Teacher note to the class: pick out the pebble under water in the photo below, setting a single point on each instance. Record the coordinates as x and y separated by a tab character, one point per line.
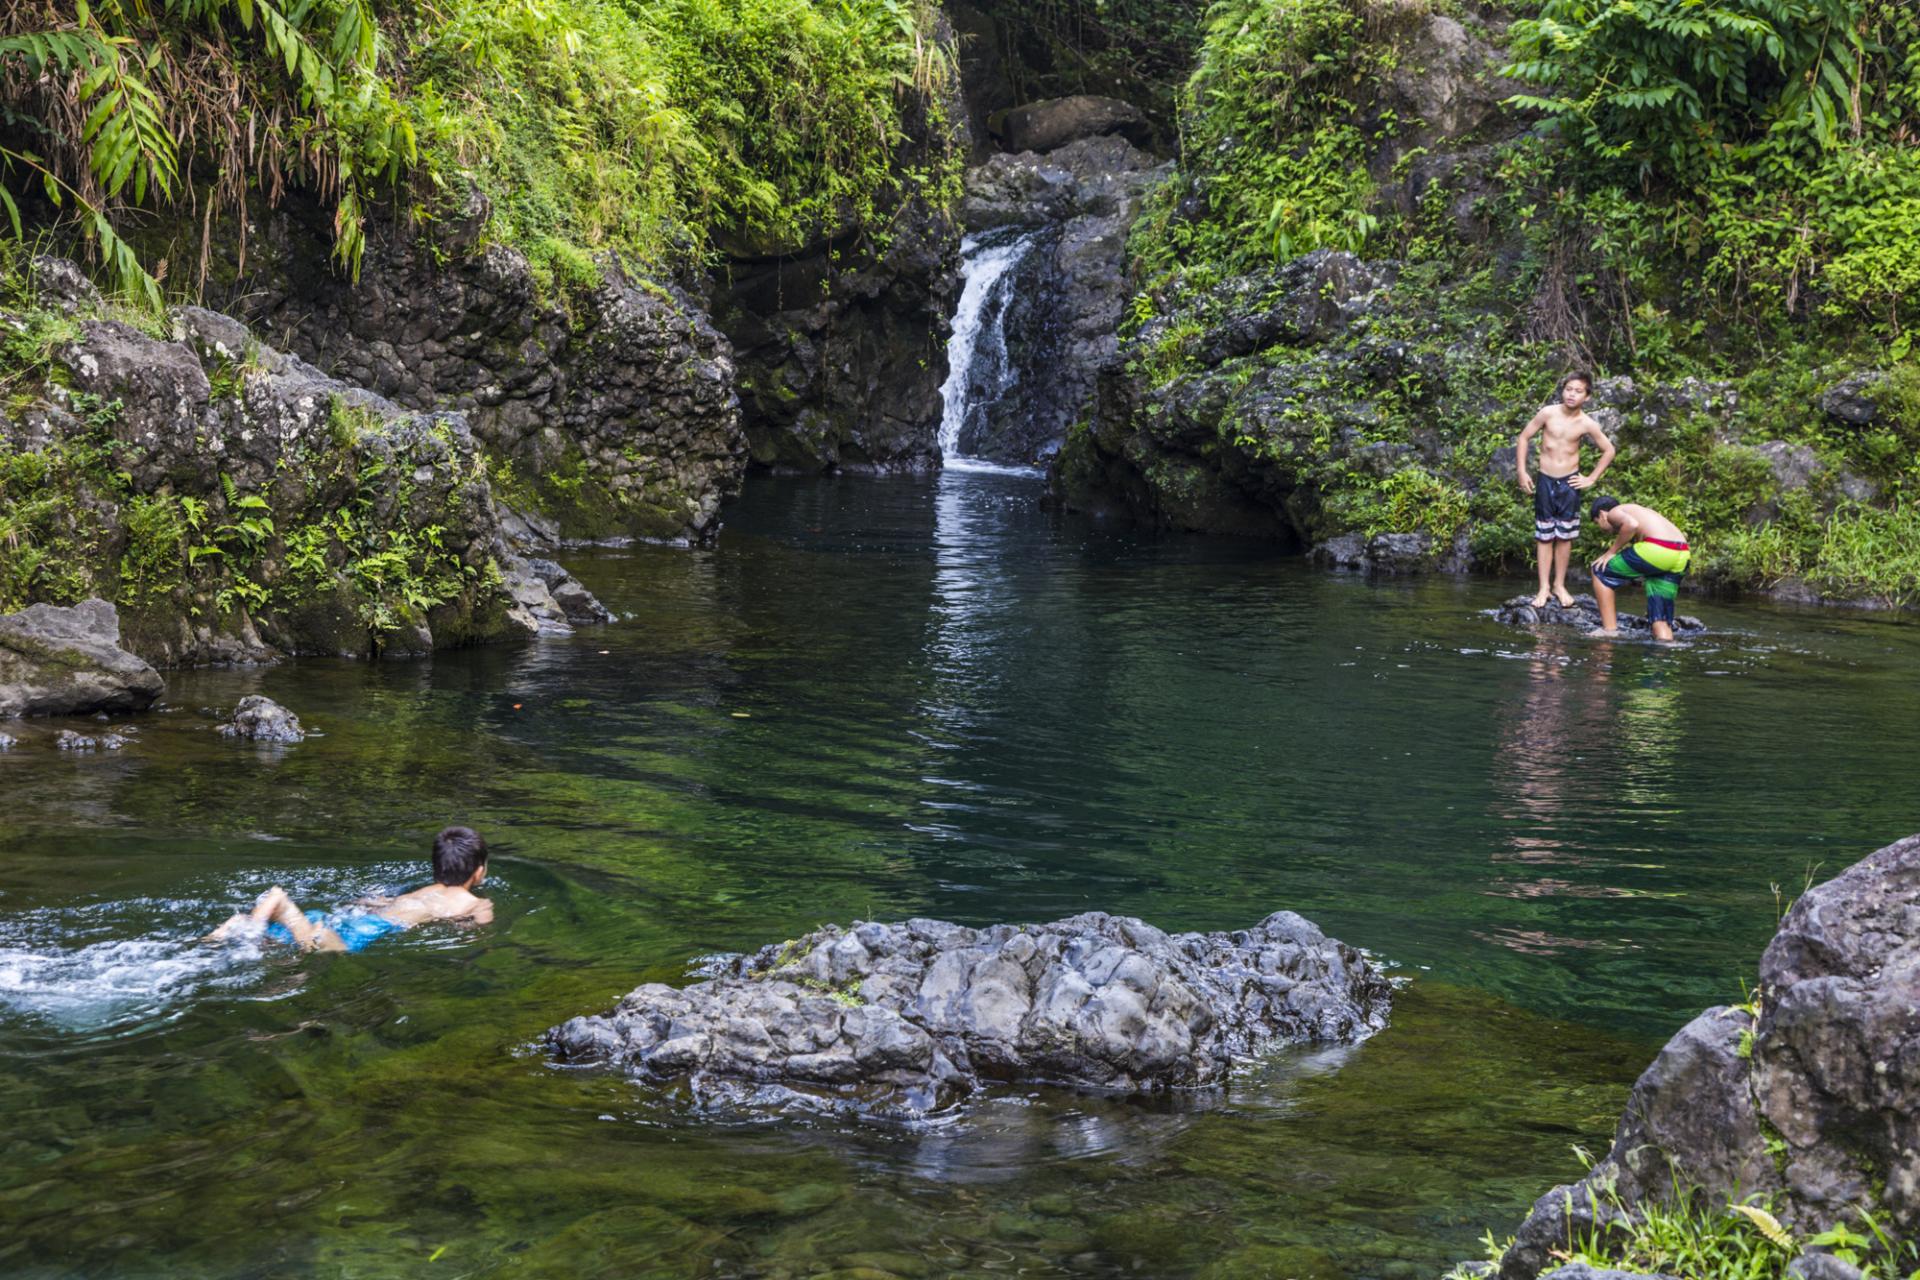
879	698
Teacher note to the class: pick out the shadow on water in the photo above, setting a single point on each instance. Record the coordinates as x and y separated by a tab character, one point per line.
880	698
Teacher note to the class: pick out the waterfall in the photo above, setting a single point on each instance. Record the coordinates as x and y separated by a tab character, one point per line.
979	371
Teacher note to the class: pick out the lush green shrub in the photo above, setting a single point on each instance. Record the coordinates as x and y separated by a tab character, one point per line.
1270	140
1770	140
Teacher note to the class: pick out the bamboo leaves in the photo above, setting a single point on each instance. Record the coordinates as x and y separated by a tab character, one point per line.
342	124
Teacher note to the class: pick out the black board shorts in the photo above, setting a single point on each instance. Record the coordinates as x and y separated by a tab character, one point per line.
1556	509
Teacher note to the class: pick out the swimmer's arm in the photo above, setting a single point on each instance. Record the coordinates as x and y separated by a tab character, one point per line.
1520	449
1599	437
483	913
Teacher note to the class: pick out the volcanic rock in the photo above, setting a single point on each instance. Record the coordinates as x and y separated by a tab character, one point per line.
908	1018
261	719
1584	614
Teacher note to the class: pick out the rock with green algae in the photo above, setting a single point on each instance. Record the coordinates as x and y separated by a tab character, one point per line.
57	661
243	505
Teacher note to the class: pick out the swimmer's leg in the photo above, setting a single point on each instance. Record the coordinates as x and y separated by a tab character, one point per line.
1662	594
275	907
235	923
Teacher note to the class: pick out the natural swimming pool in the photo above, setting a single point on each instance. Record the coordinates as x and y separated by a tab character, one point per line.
881	698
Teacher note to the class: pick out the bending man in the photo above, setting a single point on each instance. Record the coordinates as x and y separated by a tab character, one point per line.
1647	547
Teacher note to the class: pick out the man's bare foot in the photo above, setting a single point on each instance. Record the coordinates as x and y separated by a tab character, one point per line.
1605	633
1540	601
1565	597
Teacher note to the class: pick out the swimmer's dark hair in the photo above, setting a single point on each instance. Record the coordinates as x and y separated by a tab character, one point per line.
458	852
1602	503
1576	376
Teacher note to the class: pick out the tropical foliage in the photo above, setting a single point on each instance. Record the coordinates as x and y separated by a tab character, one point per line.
644	126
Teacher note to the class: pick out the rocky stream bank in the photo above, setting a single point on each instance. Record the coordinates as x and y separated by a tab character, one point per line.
1804	1101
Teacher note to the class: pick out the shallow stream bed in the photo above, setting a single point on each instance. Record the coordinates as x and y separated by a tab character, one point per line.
883	698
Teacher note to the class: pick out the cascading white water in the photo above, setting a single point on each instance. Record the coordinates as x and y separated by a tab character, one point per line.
985	289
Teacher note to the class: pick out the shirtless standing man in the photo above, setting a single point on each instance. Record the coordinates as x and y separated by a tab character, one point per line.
1561	427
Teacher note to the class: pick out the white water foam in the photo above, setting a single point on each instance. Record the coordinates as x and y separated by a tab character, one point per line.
982	304
127	964
118	981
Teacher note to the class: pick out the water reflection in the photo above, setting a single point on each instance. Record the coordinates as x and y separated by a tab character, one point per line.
1561	719
1582	745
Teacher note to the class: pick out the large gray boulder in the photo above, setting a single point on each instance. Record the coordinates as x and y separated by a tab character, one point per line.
910	1017
67	661
1043	126
1813	1101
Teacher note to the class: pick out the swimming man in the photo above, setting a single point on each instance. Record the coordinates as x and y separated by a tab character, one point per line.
1561	427
1647	547
459	865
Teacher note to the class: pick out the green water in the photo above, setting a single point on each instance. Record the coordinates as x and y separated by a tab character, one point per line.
880	698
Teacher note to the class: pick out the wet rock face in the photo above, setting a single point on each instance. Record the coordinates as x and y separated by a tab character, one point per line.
68	661
1814	1101
1391	553
617	408
841	352
309	447
1521	611
1223	448
260	719
909	1018
1068	291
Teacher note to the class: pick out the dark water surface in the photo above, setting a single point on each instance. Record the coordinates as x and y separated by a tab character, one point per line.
881	698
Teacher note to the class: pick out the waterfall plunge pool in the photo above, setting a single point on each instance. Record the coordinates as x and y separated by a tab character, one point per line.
892	697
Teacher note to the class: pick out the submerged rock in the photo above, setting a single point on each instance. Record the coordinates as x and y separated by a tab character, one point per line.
69	740
1521	611
66	661
261	719
910	1017
1810	1099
